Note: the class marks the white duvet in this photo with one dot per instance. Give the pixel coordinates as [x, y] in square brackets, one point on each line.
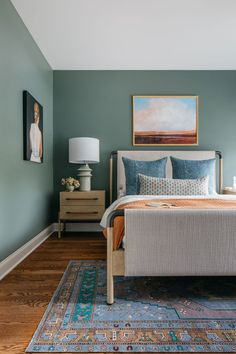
[131, 198]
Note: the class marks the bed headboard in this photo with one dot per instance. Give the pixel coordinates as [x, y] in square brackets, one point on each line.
[155, 155]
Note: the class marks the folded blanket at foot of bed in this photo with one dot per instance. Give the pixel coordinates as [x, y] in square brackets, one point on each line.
[158, 204]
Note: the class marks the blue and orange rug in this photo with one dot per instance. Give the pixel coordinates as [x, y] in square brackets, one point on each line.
[149, 314]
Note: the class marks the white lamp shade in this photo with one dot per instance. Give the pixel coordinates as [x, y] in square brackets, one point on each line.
[83, 150]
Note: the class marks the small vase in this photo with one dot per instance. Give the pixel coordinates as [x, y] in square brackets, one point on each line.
[69, 188]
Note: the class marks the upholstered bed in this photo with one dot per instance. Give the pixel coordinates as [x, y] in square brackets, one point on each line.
[193, 235]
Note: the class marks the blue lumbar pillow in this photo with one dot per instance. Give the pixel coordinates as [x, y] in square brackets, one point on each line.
[156, 168]
[193, 169]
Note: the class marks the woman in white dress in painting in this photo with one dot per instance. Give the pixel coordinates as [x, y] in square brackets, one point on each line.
[36, 137]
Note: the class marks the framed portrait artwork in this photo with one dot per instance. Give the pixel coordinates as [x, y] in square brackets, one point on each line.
[165, 120]
[32, 128]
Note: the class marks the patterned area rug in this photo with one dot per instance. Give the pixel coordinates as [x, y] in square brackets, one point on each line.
[149, 314]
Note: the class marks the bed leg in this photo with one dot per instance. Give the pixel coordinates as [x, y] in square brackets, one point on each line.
[110, 280]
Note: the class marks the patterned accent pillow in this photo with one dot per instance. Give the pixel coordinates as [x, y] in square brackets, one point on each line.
[169, 186]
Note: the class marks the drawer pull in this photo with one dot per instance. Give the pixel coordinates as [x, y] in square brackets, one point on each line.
[82, 212]
[81, 198]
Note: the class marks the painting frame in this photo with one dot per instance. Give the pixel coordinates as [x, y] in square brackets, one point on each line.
[33, 147]
[181, 97]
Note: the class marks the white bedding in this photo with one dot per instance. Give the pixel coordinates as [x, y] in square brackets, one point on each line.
[131, 198]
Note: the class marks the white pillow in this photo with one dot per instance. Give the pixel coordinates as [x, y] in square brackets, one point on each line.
[169, 186]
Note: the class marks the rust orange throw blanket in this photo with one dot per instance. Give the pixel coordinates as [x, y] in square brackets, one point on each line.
[174, 203]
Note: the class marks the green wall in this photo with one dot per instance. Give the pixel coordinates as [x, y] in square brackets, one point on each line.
[25, 188]
[98, 104]
[86, 103]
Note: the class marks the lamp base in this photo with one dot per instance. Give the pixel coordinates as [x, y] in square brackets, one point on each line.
[85, 175]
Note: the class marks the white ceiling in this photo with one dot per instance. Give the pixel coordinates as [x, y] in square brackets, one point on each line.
[133, 34]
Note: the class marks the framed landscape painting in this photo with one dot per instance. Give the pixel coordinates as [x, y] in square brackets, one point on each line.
[165, 120]
[32, 128]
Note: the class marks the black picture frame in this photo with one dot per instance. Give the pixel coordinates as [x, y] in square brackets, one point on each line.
[32, 129]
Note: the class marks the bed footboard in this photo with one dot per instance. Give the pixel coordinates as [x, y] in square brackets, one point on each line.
[177, 242]
[115, 259]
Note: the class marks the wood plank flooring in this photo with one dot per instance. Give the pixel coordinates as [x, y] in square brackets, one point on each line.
[27, 290]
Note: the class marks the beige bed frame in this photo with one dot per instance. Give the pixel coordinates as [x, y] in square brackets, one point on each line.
[116, 258]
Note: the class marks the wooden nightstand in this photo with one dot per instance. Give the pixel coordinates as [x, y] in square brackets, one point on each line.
[81, 206]
[229, 190]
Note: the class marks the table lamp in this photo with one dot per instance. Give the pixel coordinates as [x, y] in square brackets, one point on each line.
[84, 151]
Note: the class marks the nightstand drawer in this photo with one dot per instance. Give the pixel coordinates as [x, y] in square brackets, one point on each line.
[82, 198]
[82, 212]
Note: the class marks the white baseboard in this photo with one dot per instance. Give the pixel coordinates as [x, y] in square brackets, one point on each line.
[9, 263]
[80, 227]
[16, 257]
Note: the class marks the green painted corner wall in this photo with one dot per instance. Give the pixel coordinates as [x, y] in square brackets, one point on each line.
[85, 103]
[98, 104]
[26, 189]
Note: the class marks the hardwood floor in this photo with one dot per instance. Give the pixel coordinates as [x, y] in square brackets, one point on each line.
[27, 290]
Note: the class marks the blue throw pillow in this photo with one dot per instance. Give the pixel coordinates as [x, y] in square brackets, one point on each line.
[156, 168]
[193, 169]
